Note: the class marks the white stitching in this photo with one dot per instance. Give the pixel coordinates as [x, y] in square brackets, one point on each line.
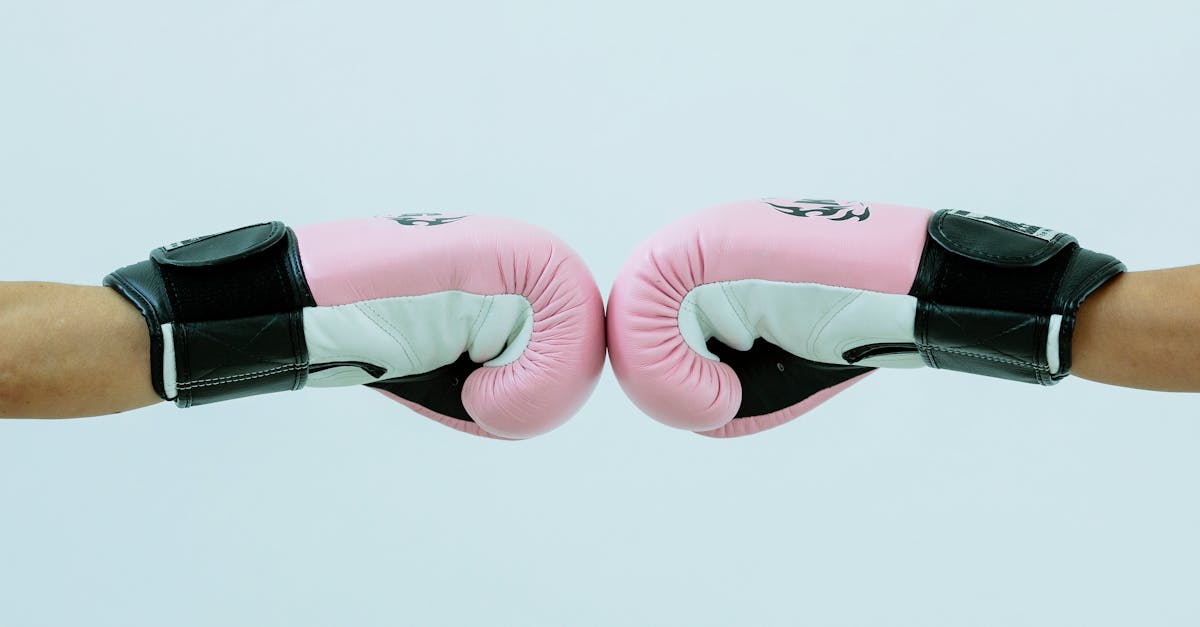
[1014, 362]
[239, 377]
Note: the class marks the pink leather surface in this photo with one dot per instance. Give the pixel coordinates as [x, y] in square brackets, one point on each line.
[744, 240]
[368, 258]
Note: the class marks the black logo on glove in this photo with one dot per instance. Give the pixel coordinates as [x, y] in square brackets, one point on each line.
[828, 209]
[424, 219]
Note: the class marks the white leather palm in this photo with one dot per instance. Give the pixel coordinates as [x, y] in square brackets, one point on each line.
[413, 334]
[816, 322]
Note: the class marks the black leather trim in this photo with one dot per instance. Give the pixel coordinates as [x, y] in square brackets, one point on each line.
[235, 304]
[371, 369]
[995, 240]
[1003, 344]
[866, 351]
[228, 359]
[142, 286]
[773, 379]
[987, 289]
[1086, 273]
[438, 390]
[222, 248]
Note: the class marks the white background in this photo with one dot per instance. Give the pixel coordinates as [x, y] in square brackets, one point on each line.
[917, 498]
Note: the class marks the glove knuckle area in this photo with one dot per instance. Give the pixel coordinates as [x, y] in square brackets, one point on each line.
[667, 362]
[532, 382]
[551, 378]
[561, 363]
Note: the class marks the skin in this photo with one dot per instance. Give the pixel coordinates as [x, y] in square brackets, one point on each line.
[68, 351]
[1142, 330]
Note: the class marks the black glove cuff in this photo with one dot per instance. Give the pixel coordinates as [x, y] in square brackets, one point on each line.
[990, 292]
[232, 303]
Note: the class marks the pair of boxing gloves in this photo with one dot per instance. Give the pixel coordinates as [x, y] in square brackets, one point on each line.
[731, 321]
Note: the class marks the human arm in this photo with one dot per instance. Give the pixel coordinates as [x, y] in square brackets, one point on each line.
[68, 351]
[1142, 330]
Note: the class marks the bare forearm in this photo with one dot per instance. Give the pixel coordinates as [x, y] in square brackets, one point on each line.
[69, 351]
[1142, 330]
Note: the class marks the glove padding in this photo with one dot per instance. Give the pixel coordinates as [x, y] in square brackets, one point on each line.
[487, 325]
[742, 317]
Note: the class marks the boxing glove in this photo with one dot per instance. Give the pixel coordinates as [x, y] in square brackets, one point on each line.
[487, 325]
[742, 317]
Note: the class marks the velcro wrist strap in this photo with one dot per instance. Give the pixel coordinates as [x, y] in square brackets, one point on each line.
[230, 306]
[992, 292]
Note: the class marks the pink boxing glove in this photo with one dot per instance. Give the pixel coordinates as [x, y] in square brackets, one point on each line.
[740, 318]
[485, 324]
